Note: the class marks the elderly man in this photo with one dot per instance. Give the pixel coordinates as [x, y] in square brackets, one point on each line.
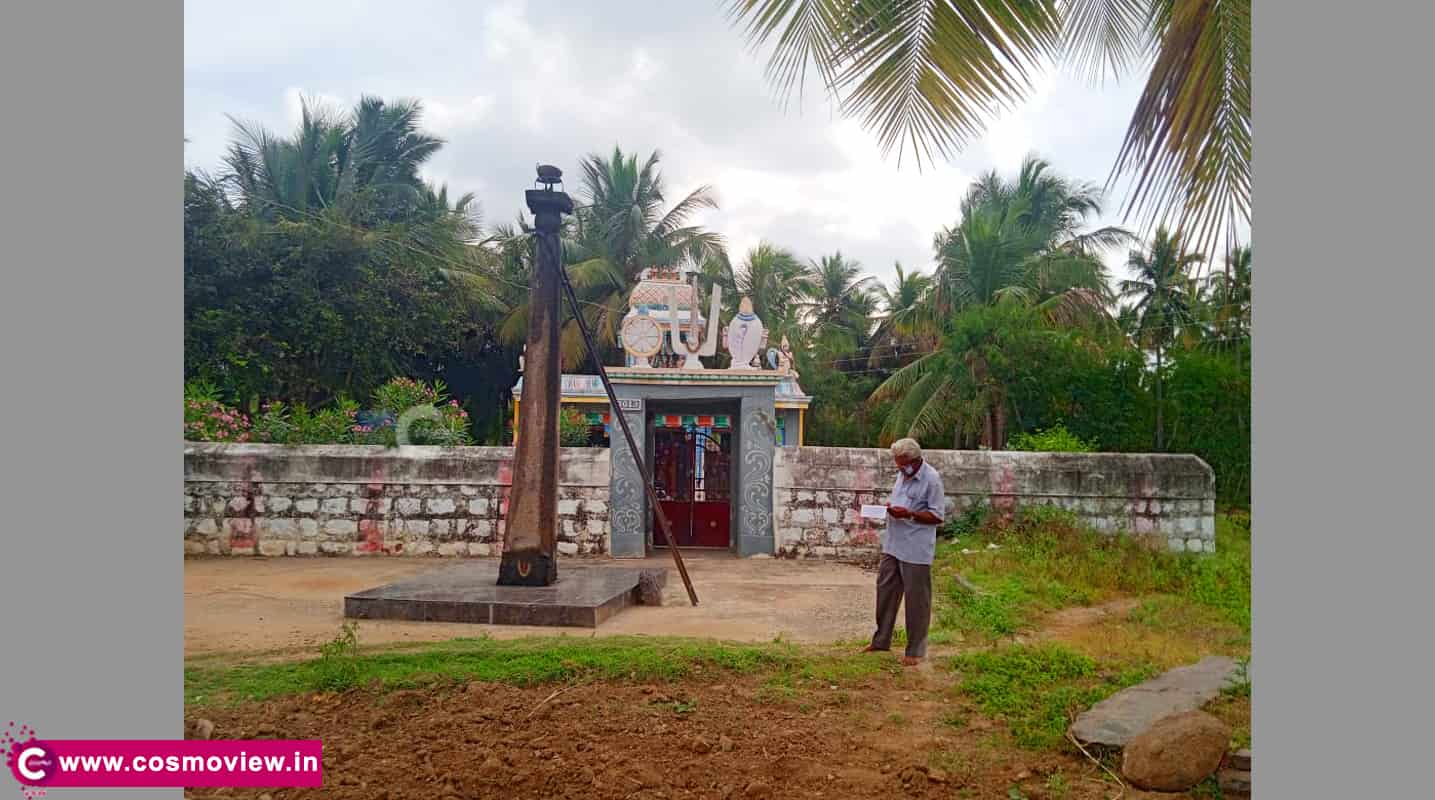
[905, 573]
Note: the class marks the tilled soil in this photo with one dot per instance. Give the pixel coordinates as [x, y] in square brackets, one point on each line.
[883, 738]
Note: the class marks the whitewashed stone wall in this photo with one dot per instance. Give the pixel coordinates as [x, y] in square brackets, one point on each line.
[819, 490]
[272, 500]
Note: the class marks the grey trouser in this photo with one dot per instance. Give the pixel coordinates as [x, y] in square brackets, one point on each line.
[898, 580]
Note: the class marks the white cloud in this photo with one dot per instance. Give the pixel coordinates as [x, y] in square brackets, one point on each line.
[509, 86]
[449, 117]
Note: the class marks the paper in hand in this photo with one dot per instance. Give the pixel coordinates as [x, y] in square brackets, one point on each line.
[874, 512]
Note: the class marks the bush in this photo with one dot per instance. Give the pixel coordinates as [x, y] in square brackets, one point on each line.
[208, 419]
[972, 519]
[417, 406]
[1056, 439]
[572, 429]
[424, 412]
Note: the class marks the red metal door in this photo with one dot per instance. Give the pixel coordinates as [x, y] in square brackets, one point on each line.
[691, 476]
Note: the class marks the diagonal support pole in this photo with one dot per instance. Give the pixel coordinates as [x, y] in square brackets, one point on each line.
[627, 433]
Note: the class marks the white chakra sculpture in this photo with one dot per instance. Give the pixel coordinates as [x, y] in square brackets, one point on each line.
[745, 336]
[661, 309]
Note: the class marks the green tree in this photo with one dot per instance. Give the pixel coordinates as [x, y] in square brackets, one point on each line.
[363, 166]
[1230, 300]
[838, 306]
[621, 229]
[777, 284]
[963, 390]
[304, 311]
[1210, 415]
[899, 324]
[1165, 304]
[931, 73]
[1023, 239]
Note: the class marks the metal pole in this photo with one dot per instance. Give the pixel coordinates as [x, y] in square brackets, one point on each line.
[627, 433]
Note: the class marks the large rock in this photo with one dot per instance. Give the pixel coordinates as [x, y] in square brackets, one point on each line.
[1119, 718]
[650, 586]
[1177, 752]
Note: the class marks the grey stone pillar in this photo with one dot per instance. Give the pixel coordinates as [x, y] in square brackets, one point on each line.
[627, 499]
[756, 443]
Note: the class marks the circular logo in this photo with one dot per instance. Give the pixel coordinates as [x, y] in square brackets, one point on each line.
[34, 763]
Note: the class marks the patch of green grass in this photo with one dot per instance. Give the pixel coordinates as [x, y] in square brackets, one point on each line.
[824, 672]
[953, 719]
[680, 706]
[897, 718]
[1037, 688]
[943, 636]
[1208, 788]
[1048, 559]
[518, 661]
[1240, 685]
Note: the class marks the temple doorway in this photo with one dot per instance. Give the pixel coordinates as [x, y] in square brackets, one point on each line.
[693, 476]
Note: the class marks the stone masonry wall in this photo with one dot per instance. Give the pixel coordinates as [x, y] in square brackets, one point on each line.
[273, 500]
[819, 490]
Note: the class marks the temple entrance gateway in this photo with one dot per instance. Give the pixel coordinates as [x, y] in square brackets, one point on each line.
[692, 475]
[706, 431]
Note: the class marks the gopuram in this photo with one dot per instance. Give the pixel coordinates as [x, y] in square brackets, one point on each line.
[707, 433]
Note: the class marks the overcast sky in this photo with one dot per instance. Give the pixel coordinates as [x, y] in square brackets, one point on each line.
[510, 84]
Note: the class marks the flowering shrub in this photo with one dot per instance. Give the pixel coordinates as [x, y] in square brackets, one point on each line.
[207, 419]
[341, 423]
[397, 401]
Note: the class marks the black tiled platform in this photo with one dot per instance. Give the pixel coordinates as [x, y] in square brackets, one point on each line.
[468, 592]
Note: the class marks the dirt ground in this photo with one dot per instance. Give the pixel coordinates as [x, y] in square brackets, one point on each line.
[285, 605]
[892, 736]
[900, 733]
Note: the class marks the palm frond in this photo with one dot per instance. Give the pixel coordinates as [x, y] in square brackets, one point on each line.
[1105, 38]
[924, 73]
[1187, 148]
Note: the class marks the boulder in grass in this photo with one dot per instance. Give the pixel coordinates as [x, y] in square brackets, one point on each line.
[1177, 752]
[1119, 718]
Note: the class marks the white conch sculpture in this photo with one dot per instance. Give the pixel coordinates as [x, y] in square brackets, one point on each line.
[706, 345]
[745, 336]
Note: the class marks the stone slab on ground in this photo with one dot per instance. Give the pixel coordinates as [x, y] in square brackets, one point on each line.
[1116, 720]
[469, 592]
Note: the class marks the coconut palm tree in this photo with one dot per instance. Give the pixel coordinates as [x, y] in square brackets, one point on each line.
[620, 230]
[962, 389]
[838, 304]
[776, 282]
[1019, 245]
[364, 168]
[1024, 239]
[1164, 307]
[930, 74]
[899, 323]
[1230, 294]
